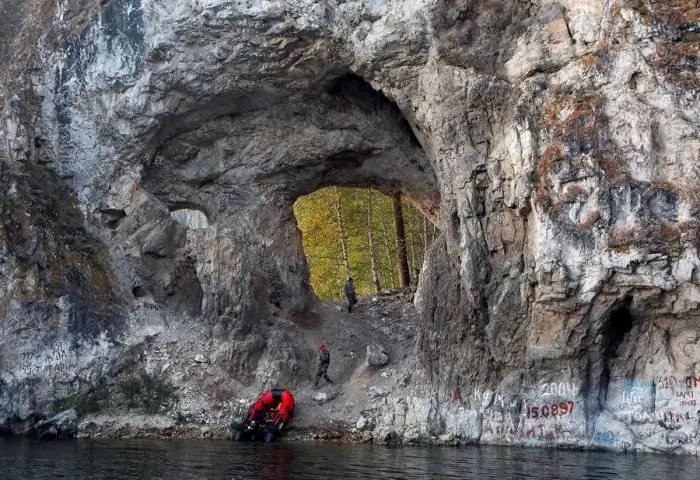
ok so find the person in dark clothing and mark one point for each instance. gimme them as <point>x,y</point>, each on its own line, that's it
<point>324,359</point>
<point>350,294</point>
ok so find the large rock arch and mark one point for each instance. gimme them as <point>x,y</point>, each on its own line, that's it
<point>554,144</point>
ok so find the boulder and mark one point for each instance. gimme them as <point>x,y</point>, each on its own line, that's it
<point>376,355</point>
<point>325,396</point>
<point>365,423</point>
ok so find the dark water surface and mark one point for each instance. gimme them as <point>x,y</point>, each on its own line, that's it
<point>190,459</point>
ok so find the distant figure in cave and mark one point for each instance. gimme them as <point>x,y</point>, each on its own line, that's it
<point>414,284</point>
<point>350,294</point>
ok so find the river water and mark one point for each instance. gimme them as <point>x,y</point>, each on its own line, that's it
<point>205,460</point>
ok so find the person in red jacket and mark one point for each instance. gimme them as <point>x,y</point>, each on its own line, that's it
<point>277,400</point>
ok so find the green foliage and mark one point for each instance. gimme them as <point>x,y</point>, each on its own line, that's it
<point>317,219</point>
<point>146,392</point>
<point>92,401</point>
<point>141,392</point>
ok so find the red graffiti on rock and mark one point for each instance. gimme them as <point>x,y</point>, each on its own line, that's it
<point>553,410</point>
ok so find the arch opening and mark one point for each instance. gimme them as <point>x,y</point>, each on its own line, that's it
<point>243,173</point>
<point>232,180</point>
<point>190,216</point>
<point>352,232</point>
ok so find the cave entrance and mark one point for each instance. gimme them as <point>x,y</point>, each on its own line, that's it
<point>358,233</point>
<point>616,328</point>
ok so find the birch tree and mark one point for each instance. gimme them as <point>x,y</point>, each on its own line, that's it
<point>370,242</point>
<point>341,231</point>
<point>389,258</point>
<point>401,254</point>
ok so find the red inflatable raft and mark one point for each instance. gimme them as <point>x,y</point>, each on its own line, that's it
<point>268,415</point>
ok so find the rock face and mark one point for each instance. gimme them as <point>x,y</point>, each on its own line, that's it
<point>151,153</point>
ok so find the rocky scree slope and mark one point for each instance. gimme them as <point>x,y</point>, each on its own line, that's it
<point>152,152</point>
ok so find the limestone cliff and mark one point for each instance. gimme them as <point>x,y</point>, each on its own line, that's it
<point>152,151</point>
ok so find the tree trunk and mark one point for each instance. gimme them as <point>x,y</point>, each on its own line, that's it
<point>370,242</point>
<point>389,260</point>
<point>341,231</point>
<point>401,253</point>
<point>412,243</point>
<point>425,238</point>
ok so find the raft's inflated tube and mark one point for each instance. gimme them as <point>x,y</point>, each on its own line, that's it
<point>277,400</point>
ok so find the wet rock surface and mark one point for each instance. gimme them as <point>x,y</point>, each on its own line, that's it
<point>150,265</point>
<point>61,426</point>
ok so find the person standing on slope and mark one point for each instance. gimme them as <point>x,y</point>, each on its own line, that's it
<point>350,294</point>
<point>324,359</point>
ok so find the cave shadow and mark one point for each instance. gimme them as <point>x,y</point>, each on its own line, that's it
<point>614,331</point>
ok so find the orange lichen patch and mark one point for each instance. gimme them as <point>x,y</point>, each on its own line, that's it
<point>690,50</point>
<point>552,154</point>
<point>588,220</point>
<point>675,12</point>
<point>102,281</point>
<point>665,12</point>
<point>71,269</point>
<point>620,248</point>
<point>670,233</point>
<point>622,238</point>
<point>574,123</point>
<point>690,194</point>
<point>679,60</point>
<point>617,8</point>
<point>589,61</point>
<point>664,185</point>
<point>579,122</point>
<point>582,119</point>
<point>611,165</point>
<point>690,233</point>
<point>677,55</point>
<point>661,232</point>
<point>662,235</point>
<point>571,119</point>
<point>44,230</point>
<point>572,193</point>
<point>83,269</point>
<point>543,183</point>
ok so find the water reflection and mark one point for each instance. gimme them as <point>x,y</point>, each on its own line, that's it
<point>203,460</point>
